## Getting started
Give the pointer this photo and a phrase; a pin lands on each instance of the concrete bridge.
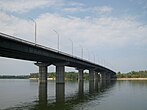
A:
(13, 47)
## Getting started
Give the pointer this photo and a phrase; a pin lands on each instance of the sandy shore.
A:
(131, 78)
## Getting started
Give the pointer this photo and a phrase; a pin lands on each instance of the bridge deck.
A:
(13, 47)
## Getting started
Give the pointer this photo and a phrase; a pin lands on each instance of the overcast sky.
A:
(112, 33)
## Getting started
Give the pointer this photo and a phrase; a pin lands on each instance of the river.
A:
(25, 94)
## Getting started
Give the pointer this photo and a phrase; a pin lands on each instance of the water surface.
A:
(25, 94)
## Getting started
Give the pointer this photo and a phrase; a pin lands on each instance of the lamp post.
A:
(88, 56)
(58, 38)
(72, 46)
(94, 57)
(81, 51)
(35, 27)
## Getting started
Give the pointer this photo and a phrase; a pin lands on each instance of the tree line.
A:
(67, 75)
(132, 74)
(14, 77)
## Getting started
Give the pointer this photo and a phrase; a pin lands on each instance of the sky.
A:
(112, 33)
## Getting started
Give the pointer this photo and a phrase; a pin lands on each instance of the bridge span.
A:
(17, 48)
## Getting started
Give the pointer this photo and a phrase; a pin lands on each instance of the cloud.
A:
(117, 32)
(74, 9)
(22, 6)
(103, 9)
(15, 26)
(98, 9)
(77, 4)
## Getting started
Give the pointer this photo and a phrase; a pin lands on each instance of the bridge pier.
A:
(60, 81)
(108, 77)
(60, 92)
(42, 83)
(81, 81)
(103, 76)
(80, 76)
(42, 96)
(96, 81)
(113, 77)
(60, 69)
(91, 80)
(42, 72)
(97, 76)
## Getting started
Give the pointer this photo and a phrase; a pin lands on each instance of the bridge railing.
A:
(41, 46)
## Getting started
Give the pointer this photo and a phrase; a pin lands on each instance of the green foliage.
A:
(14, 77)
(71, 76)
(67, 75)
(132, 74)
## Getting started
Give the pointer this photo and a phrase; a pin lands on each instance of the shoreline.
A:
(38, 78)
(118, 79)
(122, 79)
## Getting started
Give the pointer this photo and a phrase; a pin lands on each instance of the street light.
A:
(94, 57)
(81, 51)
(35, 27)
(88, 56)
(72, 46)
(58, 38)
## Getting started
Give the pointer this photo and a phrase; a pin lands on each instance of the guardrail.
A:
(41, 46)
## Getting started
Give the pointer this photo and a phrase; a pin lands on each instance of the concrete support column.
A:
(96, 81)
(113, 76)
(96, 77)
(99, 76)
(81, 81)
(60, 86)
(108, 76)
(80, 76)
(103, 76)
(60, 69)
(42, 72)
(91, 80)
(91, 75)
(42, 84)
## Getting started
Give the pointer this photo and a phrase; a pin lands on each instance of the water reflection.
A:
(60, 92)
(97, 84)
(81, 87)
(61, 103)
(42, 96)
(91, 86)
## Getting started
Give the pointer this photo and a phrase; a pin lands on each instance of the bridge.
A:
(17, 48)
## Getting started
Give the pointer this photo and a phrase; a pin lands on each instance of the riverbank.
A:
(131, 78)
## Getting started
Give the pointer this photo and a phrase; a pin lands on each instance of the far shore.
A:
(38, 78)
(131, 78)
(117, 78)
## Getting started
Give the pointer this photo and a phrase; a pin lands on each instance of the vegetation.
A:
(132, 74)
(14, 77)
(74, 75)
(67, 75)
